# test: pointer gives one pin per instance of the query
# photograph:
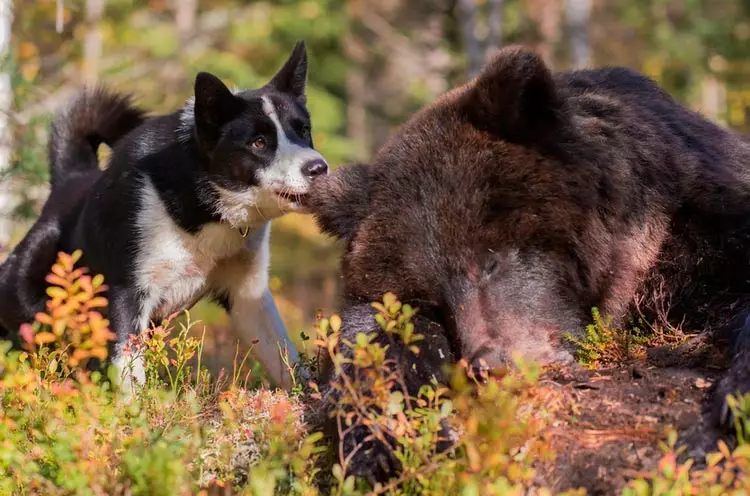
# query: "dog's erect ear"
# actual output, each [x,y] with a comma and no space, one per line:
[292,77]
[215,105]
[340,201]
[514,97]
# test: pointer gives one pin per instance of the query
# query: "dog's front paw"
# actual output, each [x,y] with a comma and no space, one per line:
[736,382]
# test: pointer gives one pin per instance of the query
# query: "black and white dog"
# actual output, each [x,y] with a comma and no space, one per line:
[183,210]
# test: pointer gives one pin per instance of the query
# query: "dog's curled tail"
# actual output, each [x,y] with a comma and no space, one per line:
[94,117]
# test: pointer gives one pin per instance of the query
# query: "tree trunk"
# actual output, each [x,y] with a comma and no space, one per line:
[186,12]
[495,23]
[355,51]
[92,43]
[356,92]
[468,20]
[7,198]
[713,98]
[546,14]
[578,13]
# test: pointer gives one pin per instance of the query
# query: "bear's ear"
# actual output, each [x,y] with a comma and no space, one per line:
[514,97]
[340,201]
[292,77]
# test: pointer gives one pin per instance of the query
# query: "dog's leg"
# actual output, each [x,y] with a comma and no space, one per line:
[125,320]
[256,320]
[252,310]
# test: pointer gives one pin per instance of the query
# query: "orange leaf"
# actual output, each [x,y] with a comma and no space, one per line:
[97,302]
[29,70]
[57,280]
[80,354]
[99,352]
[66,261]
[63,310]
[26,50]
[44,338]
[43,318]
[58,328]
[58,270]
[55,292]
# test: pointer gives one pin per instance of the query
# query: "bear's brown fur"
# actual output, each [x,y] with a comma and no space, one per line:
[514,204]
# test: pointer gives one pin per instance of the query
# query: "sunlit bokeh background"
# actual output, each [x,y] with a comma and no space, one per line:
[372,63]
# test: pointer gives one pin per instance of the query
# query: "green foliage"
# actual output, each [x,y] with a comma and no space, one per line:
[726,472]
[603,344]
[28,163]
[499,426]
[64,430]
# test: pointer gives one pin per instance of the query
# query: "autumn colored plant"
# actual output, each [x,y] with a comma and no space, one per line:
[499,426]
[73,321]
[63,430]
[726,472]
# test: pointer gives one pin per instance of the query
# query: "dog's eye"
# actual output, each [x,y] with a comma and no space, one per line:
[305,132]
[259,143]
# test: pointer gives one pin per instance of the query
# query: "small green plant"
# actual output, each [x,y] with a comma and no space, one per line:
[740,408]
[64,431]
[726,472]
[604,345]
[499,426]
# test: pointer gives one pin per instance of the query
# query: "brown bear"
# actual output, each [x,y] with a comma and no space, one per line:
[516,203]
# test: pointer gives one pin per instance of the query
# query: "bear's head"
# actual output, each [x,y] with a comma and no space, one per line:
[474,212]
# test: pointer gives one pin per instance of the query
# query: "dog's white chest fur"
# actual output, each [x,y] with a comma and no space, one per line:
[175,268]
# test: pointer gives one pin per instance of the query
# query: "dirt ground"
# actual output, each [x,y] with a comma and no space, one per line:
[610,429]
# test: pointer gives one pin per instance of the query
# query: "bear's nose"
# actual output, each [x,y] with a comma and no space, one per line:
[315,168]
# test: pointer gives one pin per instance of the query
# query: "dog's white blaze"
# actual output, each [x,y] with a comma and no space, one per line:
[174,269]
[286,169]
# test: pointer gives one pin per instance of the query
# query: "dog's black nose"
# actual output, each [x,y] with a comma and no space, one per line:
[315,168]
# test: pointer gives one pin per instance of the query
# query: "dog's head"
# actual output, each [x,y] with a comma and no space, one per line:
[257,144]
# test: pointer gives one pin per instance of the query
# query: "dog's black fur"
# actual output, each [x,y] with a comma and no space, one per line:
[94,118]
[199,179]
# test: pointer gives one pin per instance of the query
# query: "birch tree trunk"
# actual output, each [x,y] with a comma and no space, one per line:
[495,24]
[356,91]
[547,15]
[186,12]
[713,98]
[7,197]
[468,20]
[92,43]
[578,13]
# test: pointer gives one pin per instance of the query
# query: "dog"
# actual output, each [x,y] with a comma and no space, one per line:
[183,209]
[94,118]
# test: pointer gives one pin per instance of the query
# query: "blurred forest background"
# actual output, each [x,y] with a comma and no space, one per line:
[372,63]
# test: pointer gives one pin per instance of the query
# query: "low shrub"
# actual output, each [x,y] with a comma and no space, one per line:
[65,430]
